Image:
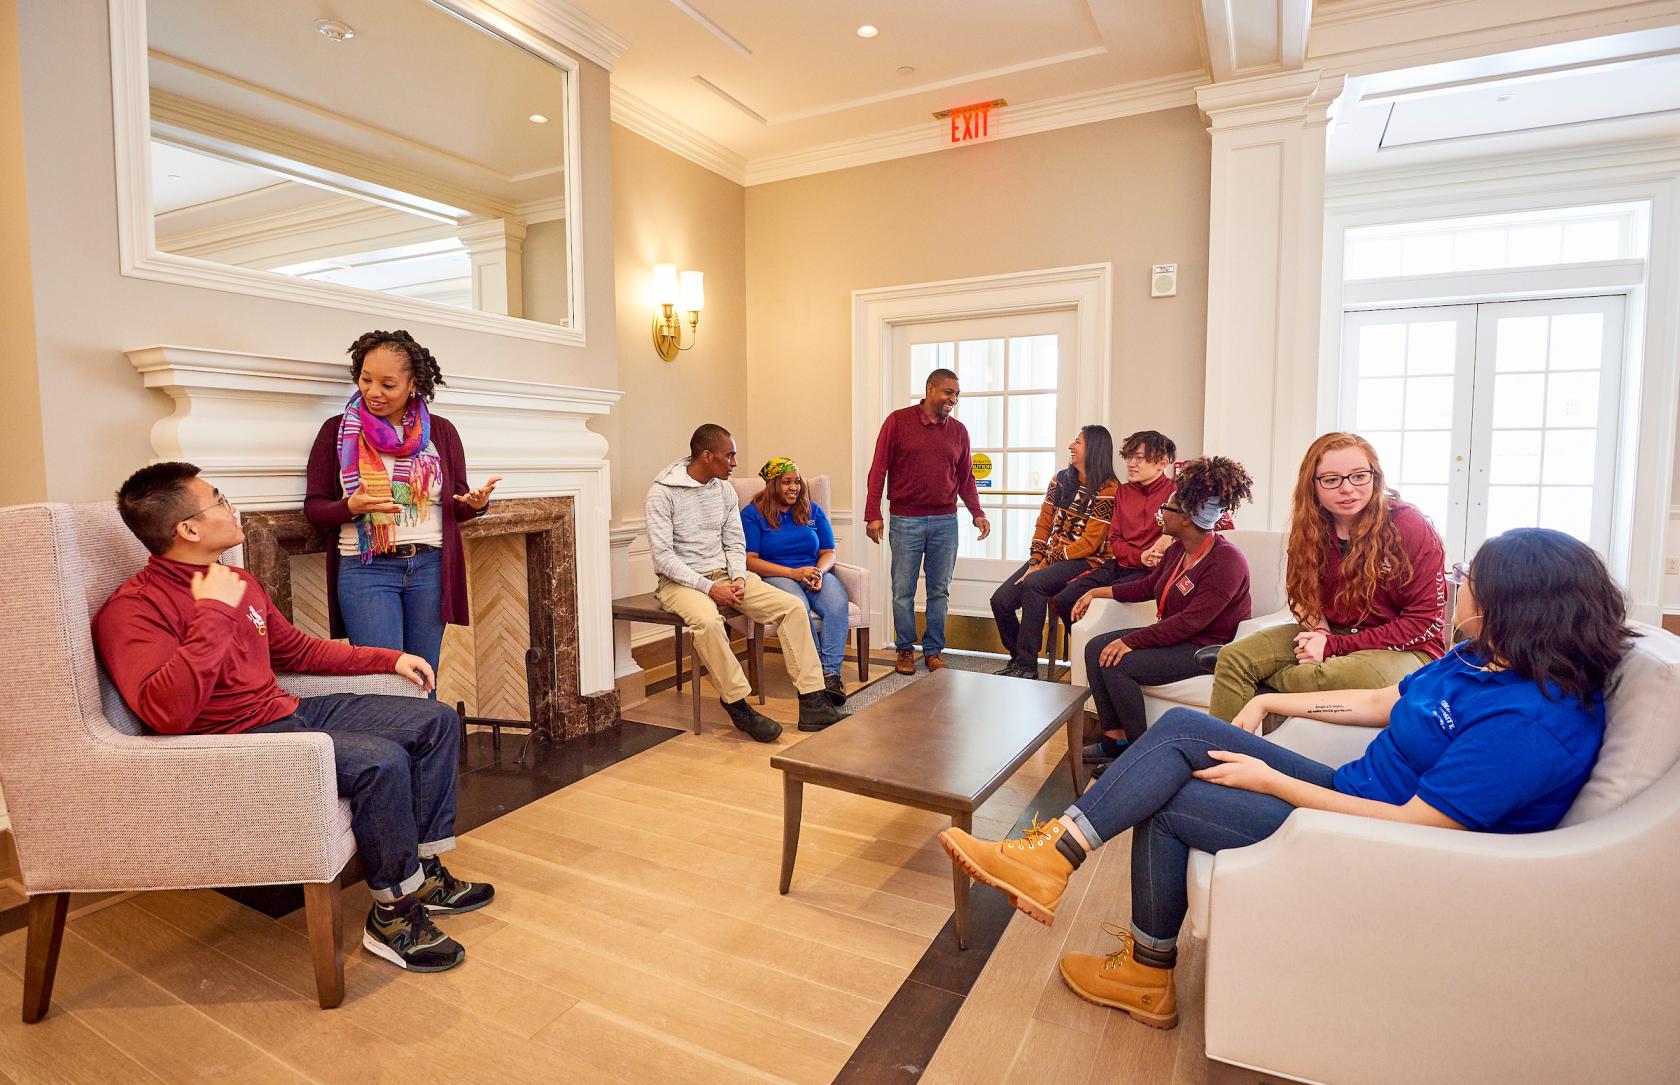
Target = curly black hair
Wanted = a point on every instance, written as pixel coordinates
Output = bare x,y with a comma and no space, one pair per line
425,369
1216,477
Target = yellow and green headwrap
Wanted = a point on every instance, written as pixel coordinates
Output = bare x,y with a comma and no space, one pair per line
776,468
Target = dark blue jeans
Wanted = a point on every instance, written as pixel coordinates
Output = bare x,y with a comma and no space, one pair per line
1150,789
922,543
1023,637
395,758
394,602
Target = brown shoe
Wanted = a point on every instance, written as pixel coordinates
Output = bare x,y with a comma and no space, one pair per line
1030,870
1118,981
906,661
934,663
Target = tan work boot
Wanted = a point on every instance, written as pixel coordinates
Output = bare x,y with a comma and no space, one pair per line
1030,870
934,663
1118,981
906,661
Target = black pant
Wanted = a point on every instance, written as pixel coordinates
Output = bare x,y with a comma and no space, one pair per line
1117,689
1031,597
1108,573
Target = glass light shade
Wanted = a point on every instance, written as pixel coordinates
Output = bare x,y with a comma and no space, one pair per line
693,291
665,284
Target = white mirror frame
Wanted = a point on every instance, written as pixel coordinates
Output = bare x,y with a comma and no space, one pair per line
136,228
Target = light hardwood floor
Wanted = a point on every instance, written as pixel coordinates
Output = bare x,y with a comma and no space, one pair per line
637,936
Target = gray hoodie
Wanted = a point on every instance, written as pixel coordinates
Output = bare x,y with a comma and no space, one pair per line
694,529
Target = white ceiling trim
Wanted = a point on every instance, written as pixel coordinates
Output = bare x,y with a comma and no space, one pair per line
561,23
653,123
1067,111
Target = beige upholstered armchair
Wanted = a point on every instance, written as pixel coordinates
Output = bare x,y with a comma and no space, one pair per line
854,578
98,804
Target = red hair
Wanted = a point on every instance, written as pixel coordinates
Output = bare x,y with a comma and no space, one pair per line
1374,551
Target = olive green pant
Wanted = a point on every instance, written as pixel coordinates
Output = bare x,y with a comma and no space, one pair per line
1268,658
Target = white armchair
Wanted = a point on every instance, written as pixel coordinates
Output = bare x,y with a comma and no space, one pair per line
854,578
1351,949
1265,553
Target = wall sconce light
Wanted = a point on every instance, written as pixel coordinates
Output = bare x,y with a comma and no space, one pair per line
669,292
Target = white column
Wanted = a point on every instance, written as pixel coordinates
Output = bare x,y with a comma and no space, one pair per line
497,249
1265,252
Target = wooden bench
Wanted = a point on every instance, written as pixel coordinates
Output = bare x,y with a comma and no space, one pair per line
944,743
646,608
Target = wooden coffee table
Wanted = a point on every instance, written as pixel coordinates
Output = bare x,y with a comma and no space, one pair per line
944,743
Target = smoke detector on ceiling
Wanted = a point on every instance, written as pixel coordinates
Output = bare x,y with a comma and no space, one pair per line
333,30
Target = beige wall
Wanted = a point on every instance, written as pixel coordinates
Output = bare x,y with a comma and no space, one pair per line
24,478
1132,191
669,210
86,313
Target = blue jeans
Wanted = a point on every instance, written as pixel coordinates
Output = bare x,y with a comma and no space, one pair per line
828,614
395,758
918,543
394,602
1150,789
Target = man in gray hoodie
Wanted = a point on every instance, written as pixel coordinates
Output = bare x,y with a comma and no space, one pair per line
700,553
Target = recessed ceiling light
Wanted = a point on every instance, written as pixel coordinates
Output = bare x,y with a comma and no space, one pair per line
1503,98
906,70
538,118
867,31
174,177
333,30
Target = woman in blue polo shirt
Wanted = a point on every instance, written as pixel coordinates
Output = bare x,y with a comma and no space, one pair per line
1497,736
791,545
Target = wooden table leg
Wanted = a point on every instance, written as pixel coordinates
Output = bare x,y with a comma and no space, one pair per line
960,881
1076,751
694,681
793,803
757,645
679,658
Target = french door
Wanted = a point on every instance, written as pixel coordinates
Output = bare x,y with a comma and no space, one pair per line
1016,374
1492,416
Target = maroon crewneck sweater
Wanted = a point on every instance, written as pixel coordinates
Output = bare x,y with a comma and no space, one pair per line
195,666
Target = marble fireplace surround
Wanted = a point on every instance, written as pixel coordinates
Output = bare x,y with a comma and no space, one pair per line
248,421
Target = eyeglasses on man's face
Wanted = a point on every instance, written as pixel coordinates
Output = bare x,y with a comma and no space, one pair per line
1355,478
221,500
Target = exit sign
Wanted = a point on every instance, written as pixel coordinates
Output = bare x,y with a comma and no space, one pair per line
970,122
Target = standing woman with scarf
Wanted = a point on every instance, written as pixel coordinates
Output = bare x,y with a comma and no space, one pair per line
388,482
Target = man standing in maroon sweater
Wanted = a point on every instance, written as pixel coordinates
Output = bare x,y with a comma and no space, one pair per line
192,645
922,460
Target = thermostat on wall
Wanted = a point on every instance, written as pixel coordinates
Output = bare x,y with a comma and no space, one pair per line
1163,280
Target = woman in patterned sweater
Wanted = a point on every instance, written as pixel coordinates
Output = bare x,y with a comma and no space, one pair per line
1072,528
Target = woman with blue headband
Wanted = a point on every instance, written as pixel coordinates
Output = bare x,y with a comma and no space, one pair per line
1200,590
790,543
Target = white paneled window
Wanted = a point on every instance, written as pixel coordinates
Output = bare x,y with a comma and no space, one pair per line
1573,235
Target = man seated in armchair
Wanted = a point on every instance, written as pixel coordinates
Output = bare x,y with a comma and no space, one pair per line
193,645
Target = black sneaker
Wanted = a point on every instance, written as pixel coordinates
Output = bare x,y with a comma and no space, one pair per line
405,935
835,688
444,894
1102,751
1020,670
759,726
816,711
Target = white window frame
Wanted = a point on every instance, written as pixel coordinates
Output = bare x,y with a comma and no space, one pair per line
1645,172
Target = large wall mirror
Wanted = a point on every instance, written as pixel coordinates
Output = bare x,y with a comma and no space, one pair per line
405,157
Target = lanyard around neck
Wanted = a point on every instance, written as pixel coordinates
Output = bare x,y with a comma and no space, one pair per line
1178,571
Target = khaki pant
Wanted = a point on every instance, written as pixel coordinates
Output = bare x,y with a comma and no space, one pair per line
1268,657
763,604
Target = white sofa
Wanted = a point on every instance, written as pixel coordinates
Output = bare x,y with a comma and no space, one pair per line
1346,949
1264,551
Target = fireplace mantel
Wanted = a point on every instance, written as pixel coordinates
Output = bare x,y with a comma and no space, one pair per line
249,420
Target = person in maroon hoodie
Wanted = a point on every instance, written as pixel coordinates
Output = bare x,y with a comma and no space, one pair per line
1366,580
1200,588
193,645
387,487
1135,541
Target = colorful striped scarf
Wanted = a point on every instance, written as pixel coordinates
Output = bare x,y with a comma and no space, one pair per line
362,437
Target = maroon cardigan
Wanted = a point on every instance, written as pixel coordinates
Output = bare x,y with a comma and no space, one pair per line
327,508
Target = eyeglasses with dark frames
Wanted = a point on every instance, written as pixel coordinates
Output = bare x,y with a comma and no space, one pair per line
1334,482
1458,574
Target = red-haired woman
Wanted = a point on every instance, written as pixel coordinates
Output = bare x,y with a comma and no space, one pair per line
1366,582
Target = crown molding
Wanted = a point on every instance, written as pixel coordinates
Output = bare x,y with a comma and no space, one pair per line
652,123
1630,159
1067,111
567,26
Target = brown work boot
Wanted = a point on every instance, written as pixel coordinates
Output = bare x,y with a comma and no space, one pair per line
1031,870
934,663
1118,981
906,661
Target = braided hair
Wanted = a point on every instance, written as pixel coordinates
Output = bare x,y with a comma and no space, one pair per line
1215,477
422,366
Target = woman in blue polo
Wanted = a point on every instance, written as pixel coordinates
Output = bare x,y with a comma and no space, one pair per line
1497,736
791,545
